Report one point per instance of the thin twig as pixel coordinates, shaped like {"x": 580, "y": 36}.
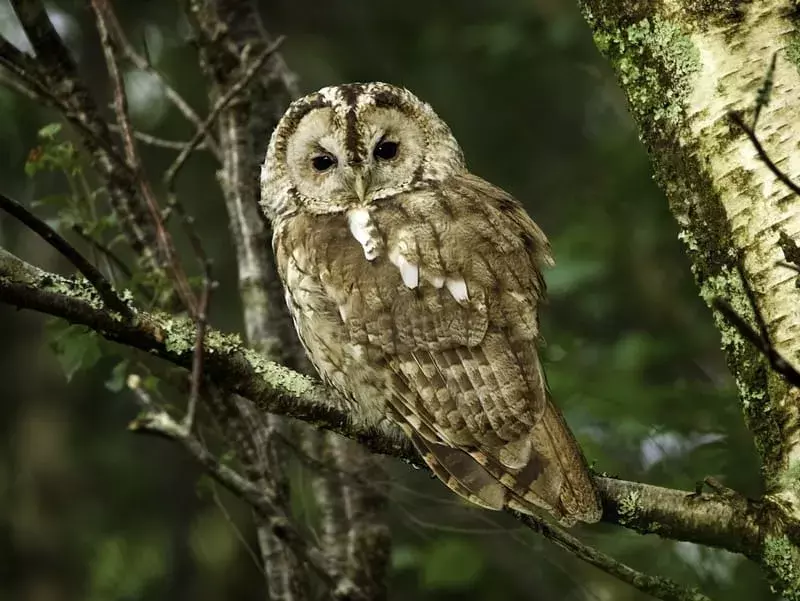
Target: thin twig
{"x": 69, "y": 252}
{"x": 152, "y": 140}
{"x": 201, "y": 319}
{"x": 157, "y": 421}
{"x": 185, "y": 293}
{"x": 762, "y": 154}
{"x": 661, "y": 588}
{"x": 142, "y": 63}
{"x": 751, "y": 299}
{"x": 104, "y": 250}
{"x": 765, "y": 91}
{"x": 232, "y": 92}
{"x": 776, "y": 360}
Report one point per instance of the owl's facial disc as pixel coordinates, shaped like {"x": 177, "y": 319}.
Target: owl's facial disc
{"x": 351, "y": 145}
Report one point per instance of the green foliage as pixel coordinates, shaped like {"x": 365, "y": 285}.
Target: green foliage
{"x": 452, "y": 564}
{"x": 447, "y": 564}
{"x": 124, "y": 567}
{"x": 632, "y": 355}
{"x": 76, "y": 347}
{"x": 119, "y": 375}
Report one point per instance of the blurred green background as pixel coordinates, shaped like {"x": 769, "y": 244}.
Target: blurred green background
{"x": 90, "y": 512}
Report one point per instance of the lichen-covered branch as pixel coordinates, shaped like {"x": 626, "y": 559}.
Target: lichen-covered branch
{"x": 274, "y": 389}
{"x": 685, "y": 66}
{"x": 708, "y": 519}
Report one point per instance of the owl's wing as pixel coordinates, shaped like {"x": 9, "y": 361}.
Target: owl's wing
{"x": 445, "y": 305}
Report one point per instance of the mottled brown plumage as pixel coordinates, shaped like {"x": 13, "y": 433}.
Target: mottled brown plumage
{"x": 414, "y": 287}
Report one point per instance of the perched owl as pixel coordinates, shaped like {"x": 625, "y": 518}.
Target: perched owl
{"x": 414, "y": 287}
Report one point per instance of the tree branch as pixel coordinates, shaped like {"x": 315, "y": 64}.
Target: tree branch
{"x": 159, "y": 422}
{"x": 707, "y": 519}
{"x": 55, "y": 75}
{"x": 69, "y": 252}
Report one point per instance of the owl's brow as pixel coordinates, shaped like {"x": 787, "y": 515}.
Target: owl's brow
{"x": 388, "y": 99}
{"x": 349, "y": 94}
{"x": 312, "y": 103}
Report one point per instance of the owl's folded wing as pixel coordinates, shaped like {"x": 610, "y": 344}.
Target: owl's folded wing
{"x": 444, "y": 302}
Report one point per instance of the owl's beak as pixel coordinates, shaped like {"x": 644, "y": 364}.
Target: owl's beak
{"x": 360, "y": 186}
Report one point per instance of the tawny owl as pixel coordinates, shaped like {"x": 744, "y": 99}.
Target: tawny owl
{"x": 414, "y": 286}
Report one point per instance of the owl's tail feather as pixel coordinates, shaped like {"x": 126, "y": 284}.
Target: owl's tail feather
{"x": 461, "y": 473}
{"x": 555, "y": 478}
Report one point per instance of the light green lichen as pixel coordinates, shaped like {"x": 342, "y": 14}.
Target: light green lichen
{"x": 629, "y": 507}
{"x": 655, "y": 61}
{"x": 179, "y": 335}
{"x": 780, "y": 556}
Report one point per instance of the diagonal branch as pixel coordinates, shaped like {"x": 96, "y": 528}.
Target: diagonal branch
{"x": 158, "y": 422}
{"x": 143, "y": 64}
{"x": 229, "y": 95}
{"x": 69, "y": 252}
{"x": 134, "y": 162}
{"x": 708, "y": 520}
{"x": 54, "y": 74}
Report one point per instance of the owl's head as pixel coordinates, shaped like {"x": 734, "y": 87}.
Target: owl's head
{"x": 352, "y": 145}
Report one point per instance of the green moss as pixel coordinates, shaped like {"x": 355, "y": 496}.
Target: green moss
{"x": 780, "y": 557}
{"x": 793, "y": 50}
{"x": 655, "y": 61}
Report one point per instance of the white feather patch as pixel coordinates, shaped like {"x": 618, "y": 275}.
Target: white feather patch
{"x": 363, "y": 230}
{"x": 458, "y": 288}
{"x": 408, "y": 271}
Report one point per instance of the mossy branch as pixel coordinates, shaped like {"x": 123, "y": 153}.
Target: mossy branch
{"x": 705, "y": 519}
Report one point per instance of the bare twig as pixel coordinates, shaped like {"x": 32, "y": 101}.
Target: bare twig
{"x": 104, "y": 250}
{"x": 661, "y": 588}
{"x": 157, "y": 142}
{"x": 102, "y": 10}
{"x": 157, "y": 421}
{"x": 229, "y": 95}
{"x": 142, "y": 63}
{"x": 760, "y": 339}
{"x": 765, "y": 91}
{"x": 762, "y": 154}
{"x": 201, "y": 319}
{"x": 69, "y": 252}
{"x": 776, "y": 360}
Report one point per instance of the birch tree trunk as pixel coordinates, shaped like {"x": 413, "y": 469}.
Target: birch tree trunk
{"x": 684, "y": 66}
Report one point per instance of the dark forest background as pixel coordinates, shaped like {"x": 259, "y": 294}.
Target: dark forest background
{"x": 91, "y": 512}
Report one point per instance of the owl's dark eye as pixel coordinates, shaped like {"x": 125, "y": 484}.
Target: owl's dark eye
{"x": 323, "y": 162}
{"x": 385, "y": 150}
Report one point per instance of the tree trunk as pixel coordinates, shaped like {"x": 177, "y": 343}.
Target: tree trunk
{"x": 684, "y": 67}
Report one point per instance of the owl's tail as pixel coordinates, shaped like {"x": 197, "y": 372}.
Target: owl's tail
{"x": 555, "y": 476}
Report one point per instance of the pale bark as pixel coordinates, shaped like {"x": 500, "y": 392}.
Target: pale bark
{"x": 684, "y": 66}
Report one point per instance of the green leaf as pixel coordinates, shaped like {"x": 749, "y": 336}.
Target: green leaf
{"x": 75, "y": 348}
{"x": 50, "y": 131}
{"x": 116, "y": 381}
{"x": 452, "y": 564}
